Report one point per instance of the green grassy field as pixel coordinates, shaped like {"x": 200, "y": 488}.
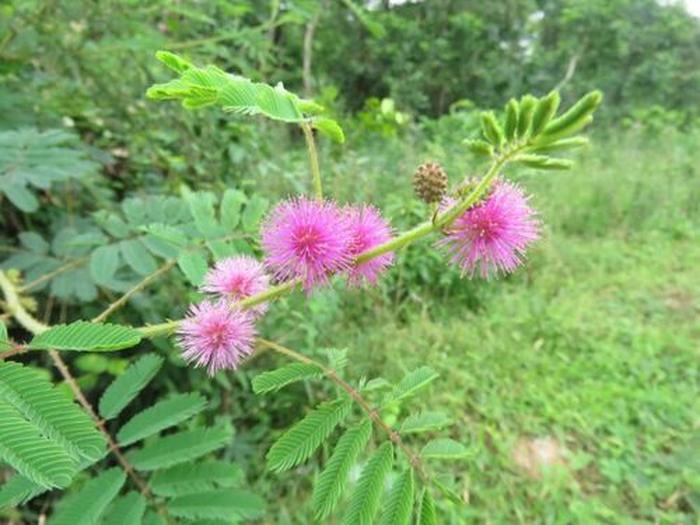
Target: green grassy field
{"x": 574, "y": 382}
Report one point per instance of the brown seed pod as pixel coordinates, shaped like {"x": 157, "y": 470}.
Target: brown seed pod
{"x": 430, "y": 182}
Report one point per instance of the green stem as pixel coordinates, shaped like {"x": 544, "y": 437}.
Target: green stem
{"x": 313, "y": 160}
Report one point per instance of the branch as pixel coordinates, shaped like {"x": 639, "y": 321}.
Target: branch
{"x": 137, "y": 288}
{"x": 372, "y": 413}
{"x": 54, "y": 273}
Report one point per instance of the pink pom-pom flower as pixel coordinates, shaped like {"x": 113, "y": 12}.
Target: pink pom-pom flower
{"x": 492, "y": 237}
{"x": 216, "y": 335}
{"x": 236, "y": 278}
{"x": 306, "y": 239}
{"x": 368, "y": 229}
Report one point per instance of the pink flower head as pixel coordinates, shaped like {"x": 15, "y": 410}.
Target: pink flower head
{"x": 368, "y": 229}
{"x": 307, "y": 239}
{"x": 492, "y": 236}
{"x": 216, "y": 335}
{"x": 236, "y": 278}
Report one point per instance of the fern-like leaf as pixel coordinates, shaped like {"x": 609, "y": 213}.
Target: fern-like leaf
{"x": 190, "y": 479}
{"x": 364, "y": 501}
{"x": 17, "y": 491}
{"x": 126, "y": 510}
{"x": 162, "y": 415}
{"x": 86, "y": 506}
{"x": 424, "y": 422}
{"x": 85, "y": 336}
{"x": 331, "y": 483}
{"x": 181, "y": 447}
{"x": 299, "y": 442}
{"x": 400, "y": 503}
{"x": 275, "y": 379}
{"x": 426, "y": 515}
{"x": 127, "y": 386}
{"x": 225, "y": 504}
{"x": 58, "y": 418}
{"x": 23, "y": 447}
{"x": 412, "y": 382}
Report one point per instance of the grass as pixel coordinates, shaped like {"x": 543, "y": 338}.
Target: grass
{"x": 590, "y": 353}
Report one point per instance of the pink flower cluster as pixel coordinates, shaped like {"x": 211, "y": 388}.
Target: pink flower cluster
{"x": 303, "y": 239}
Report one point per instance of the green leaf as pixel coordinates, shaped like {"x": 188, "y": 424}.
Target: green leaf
{"x": 412, "y": 382}
{"x": 17, "y": 491}
{"x": 23, "y": 447}
{"x": 104, "y": 262}
{"x": 253, "y": 213}
{"x": 86, "y": 506}
{"x": 365, "y": 499}
{"x": 194, "y": 265}
{"x": 273, "y": 380}
{"x": 127, "y": 386}
{"x": 167, "y": 233}
{"x": 178, "y": 448}
{"x": 444, "y": 448}
{"x": 57, "y": 417}
{"x": 330, "y": 128}
{"x": 204, "y": 86}
{"x": 511, "y": 125}
{"x": 190, "y": 479}
{"x": 299, "y": 442}
{"x": 491, "y": 129}
{"x": 545, "y": 109}
{"x": 426, "y": 515}
{"x": 86, "y": 337}
{"x": 126, "y": 510}
{"x": 331, "y": 483}
{"x": 224, "y": 504}
{"x": 34, "y": 242}
{"x": 479, "y": 147}
{"x": 400, "y": 502}
{"x": 577, "y": 117}
{"x": 162, "y": 415}
{"x": 201, "y": 205}
{"x": 4, "y": 337}
{"x": 231, "y": 205}
{"x": 542, "y": 162}
{"x": 138, "y": 257}
{"x": 20, "y": 196}
{"x": 173, "y": 61}
{"x": 559, "y": 145}
{"x": 527, "y": 108}
{"x": 425, "y": 422}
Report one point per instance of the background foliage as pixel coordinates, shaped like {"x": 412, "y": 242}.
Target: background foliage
{"x": 589, "y": 354}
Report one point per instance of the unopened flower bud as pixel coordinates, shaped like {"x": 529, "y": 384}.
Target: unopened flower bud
{"x": 430, "y": 182}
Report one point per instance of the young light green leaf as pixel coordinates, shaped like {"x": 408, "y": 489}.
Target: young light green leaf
{"x": 427, "y": 515}
{"x": 444, "y": 448}
{"x": 543, "y": 162}
{"x": 191, "y": 479}
{"x": 23, "y": 447}
{"x": 511, "y": 125}
{"x": 162, "y": 415}
{"x": 330, "y": 128}
{"x": 400, "y": 502}
{"x": 18, "y": 490}
{"x": 179, "y": 448}
{"x": 83, "y": 336}
{"x": 127, "y": 386}
{"x": 412, "y": 382}
{"x": 492, "y": 129}
{"x": 479, "y": 147}
{"x": 86, "y": 506}
{"x": 545, "y": 109}
{"x": 173, "y": 61}
{"x": 194, "y": 265}
{"x": 273, "y": 380}
{"x": 527, "y": 108}
{"x": 365, "y": 499}
{"x": 4, "y": 337}
{"x": 331, "y": 483}
{"x": 299, "y": 442}
{"x": 223, "y": 504}
{"x": 559, "y": 145}
{"x": 578, "y": 116}
{"x": 126, "y": 510}
{"x": 424, "y": 422}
